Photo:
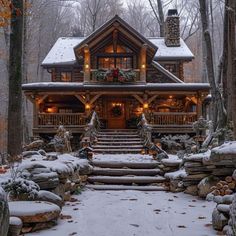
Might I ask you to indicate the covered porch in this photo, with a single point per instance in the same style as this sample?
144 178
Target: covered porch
169 109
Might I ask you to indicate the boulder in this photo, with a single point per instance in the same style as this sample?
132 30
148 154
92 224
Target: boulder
218 220
4 213
34 211
49 197
224 208
204 187
192 190
15 226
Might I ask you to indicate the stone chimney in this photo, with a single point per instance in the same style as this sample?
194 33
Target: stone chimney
172 31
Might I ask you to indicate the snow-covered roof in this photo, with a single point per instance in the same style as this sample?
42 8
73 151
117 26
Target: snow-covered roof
166 53
62 52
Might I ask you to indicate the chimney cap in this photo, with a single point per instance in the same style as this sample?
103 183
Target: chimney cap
172 12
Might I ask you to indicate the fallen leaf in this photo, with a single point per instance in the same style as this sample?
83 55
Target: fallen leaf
170 200
182 226
208 225
201 217
65 217
135 225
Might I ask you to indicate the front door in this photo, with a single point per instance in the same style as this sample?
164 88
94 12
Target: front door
116 115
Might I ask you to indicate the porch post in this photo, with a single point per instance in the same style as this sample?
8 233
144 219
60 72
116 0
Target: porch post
36 113
199 105
143 63
87 64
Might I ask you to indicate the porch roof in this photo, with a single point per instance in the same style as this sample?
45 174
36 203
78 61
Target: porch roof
65 86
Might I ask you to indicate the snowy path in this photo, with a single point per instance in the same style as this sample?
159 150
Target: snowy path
134 213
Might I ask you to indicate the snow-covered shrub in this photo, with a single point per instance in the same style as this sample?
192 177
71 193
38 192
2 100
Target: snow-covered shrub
21 187
176 143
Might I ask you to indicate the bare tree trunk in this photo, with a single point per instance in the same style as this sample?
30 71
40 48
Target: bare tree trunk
15 79
3 92
218 109
25 110
161 17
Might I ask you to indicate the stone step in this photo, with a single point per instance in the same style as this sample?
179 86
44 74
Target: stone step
117 151
116 136
120 172
118 133
119 140
124 164
126 179
120 147
126 187
117 130
118 143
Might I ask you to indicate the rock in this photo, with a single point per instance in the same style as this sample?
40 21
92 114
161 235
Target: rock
34 211
218 199
228 199
210 197
171 162
224 208
192 190
34 146
15 226
4 213
49 197
204 187
42 152
218 220
67 196
30 153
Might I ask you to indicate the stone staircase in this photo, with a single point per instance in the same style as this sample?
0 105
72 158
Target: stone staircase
118 141
117 175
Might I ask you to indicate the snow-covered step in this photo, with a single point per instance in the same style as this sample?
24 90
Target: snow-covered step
118 133
126 179
125 164
120 172
117 151
121 136
118 143
119 140
126 187
120 147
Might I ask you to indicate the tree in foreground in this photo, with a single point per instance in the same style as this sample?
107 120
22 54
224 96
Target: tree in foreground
15 79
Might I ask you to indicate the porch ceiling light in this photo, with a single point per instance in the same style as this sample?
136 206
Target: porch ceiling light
87 106
145 105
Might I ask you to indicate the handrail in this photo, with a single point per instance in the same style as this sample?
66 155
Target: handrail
91 128
145 132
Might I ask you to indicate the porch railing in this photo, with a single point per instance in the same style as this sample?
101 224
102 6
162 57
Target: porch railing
172 118
56 119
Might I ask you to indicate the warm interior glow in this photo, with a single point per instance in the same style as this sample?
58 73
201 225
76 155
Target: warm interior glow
116 104
87 106
86 66
145 105
143 66
51 110
170 96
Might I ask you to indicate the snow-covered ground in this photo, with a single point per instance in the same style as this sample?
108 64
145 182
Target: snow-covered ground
133 213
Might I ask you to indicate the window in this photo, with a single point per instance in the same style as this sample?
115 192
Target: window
66 76
115 62
170 67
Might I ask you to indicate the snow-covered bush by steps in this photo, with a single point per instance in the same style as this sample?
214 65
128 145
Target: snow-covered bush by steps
175 143
18 188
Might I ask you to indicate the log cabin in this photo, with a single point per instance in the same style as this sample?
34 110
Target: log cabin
121 75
